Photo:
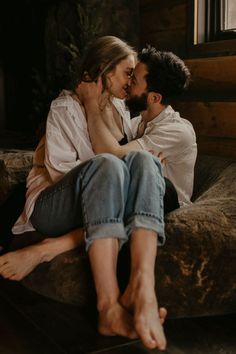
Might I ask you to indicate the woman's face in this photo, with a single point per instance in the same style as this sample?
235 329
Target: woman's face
119 79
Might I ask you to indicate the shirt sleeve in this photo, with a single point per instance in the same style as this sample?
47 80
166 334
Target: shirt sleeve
170 140
60 153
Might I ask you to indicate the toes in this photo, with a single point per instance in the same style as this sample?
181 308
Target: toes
15 277
160 340
6 273
162 314
147 340
3 261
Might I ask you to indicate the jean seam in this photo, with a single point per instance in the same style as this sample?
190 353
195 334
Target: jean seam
41 198
149 215
104 221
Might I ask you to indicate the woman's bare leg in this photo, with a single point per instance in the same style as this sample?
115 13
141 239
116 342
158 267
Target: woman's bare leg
17 264
113 318
140 296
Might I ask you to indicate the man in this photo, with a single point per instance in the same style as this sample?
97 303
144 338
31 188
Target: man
157 80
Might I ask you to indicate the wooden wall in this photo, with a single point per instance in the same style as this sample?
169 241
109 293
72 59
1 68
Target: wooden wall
210 103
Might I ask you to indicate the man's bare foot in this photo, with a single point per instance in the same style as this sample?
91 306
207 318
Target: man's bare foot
18 264
116 321
140 298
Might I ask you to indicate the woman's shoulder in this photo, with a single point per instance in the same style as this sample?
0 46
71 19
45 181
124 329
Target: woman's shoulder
63 100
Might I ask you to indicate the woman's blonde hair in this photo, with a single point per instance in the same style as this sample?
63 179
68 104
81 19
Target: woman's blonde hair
103 55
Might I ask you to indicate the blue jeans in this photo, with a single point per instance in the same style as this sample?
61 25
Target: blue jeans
107 196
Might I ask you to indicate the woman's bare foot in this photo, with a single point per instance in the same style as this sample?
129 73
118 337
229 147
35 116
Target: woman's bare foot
116 321
140 298
162 310
18 264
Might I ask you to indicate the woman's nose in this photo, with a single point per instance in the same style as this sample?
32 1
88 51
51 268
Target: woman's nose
129 81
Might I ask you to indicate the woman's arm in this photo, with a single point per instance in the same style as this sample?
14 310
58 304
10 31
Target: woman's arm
101 138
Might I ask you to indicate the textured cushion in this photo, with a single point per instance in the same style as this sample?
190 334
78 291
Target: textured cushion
14 167
195 270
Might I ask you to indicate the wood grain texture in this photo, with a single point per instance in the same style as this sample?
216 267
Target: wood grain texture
214 124
213 76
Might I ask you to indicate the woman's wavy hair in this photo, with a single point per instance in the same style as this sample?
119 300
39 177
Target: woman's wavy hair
102 57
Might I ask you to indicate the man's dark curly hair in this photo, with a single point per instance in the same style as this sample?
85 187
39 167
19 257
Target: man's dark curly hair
167 73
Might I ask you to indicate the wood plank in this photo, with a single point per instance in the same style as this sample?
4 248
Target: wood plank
162 16
17 335
213 75
215 119
216 146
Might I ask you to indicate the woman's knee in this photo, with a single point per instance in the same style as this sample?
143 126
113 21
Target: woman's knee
143 160
106 167
110 164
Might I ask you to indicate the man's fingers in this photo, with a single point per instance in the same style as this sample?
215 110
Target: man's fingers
159 155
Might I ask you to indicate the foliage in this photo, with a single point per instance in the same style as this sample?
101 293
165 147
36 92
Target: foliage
47 85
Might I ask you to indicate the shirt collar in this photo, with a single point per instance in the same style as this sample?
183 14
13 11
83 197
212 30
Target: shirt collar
168 110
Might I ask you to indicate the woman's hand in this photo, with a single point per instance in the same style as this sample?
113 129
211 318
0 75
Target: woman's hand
89 91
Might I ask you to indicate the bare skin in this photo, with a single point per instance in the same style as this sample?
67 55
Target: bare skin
135 314
139 297
18 264
113 318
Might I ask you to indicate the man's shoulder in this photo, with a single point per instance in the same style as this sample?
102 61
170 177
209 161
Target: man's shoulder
173 121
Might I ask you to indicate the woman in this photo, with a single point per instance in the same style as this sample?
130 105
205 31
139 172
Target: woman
102 199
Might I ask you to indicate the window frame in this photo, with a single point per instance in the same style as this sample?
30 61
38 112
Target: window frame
218 42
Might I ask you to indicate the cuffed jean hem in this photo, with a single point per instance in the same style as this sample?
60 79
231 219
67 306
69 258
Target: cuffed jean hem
105 230
147 222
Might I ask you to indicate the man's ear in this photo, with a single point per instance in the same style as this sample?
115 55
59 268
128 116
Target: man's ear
155 97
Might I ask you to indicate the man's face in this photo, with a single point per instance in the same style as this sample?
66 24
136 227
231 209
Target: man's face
137 97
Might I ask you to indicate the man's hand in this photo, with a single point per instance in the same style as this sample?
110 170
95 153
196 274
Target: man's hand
160 156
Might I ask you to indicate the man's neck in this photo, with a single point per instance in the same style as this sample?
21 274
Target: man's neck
152 112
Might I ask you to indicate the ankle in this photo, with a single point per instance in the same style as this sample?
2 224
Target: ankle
142 278
45 251
105 304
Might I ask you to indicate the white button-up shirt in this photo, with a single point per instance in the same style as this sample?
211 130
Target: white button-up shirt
65 145
175 138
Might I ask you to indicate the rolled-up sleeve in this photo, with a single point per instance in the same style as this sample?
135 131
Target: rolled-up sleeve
168 141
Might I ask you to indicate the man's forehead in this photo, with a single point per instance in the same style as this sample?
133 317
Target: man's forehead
140 70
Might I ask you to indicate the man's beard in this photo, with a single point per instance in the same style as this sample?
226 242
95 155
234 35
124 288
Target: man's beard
137 104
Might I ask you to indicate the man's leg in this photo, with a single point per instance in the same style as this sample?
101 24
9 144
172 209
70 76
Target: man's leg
140 297
145 221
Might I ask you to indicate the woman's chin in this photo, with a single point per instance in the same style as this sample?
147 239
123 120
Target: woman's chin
120 95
